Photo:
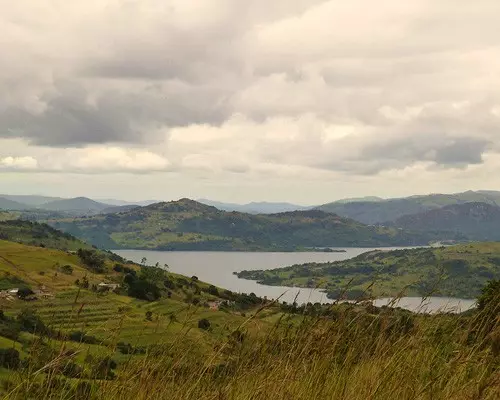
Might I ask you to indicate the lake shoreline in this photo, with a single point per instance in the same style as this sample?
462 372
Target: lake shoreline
218 267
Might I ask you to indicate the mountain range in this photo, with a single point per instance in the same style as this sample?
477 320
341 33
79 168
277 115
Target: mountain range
189 225
381 211
476 221
260 207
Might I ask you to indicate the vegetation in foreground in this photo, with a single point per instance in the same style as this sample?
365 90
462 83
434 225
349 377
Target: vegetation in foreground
335 352
149 334
455 271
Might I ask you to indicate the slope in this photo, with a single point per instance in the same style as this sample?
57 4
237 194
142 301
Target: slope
476 221
77 204
371 212
455 271
37 234
30 200
7 204
189 225
261 207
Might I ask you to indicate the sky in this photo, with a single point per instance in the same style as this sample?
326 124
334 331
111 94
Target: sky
305 101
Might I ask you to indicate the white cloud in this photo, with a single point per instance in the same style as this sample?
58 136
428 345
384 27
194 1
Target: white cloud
18 163
289 89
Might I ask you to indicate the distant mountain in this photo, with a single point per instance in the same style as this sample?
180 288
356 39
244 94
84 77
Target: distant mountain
476 221
7 204
82 205
369 212
116 202
371 199
119 209
30 200
190 225
261 207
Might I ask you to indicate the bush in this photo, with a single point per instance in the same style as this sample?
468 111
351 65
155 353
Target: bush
103 368
9 358
82 337
204 324
24 292
29 321
67 269
213 290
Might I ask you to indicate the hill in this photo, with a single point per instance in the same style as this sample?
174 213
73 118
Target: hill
261 207
78 205
377 212
119 209
30 200
71 338
456 271
7 204
476 221
190 225
37 234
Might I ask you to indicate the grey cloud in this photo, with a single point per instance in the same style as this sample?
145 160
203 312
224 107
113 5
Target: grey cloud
140 71
74 117
462 151
436 148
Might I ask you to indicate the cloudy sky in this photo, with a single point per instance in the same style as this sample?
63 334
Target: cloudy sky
299 100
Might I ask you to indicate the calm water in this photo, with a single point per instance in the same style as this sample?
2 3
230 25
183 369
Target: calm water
218 267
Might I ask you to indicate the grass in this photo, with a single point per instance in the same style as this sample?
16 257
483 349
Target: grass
356 352
269 351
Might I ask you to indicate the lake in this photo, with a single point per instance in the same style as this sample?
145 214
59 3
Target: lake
218 267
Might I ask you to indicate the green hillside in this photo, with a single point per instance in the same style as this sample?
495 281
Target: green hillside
158 336
7 204
78 204
189 225
376 212
476 221
457 271
38 234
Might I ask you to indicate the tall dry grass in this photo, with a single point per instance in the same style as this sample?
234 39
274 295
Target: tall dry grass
355 353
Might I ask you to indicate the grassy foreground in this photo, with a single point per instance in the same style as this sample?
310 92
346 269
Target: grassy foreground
157 336
352 352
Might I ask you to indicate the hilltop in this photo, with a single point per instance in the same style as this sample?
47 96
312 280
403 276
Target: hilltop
38 234
476 221
456 271
190 225
382 211
77 204
7 204
256 207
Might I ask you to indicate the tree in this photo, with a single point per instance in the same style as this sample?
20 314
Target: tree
144 260
144 290
92 259
85 282
149 315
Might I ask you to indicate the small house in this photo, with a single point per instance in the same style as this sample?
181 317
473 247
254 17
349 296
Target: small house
107 286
